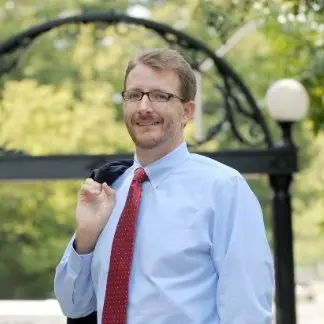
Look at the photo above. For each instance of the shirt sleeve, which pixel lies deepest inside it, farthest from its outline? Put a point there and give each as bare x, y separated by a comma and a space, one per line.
242, 256
73, 285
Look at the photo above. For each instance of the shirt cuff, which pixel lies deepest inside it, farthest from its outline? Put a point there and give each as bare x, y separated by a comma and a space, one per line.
79, 263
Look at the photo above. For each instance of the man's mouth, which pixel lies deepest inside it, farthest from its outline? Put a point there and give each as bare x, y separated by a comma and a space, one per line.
147, 123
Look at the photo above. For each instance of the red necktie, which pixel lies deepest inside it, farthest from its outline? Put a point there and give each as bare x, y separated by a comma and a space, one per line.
116, 299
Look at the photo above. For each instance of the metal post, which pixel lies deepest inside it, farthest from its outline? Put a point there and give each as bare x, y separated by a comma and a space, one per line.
283, 249
198, 117
283, 237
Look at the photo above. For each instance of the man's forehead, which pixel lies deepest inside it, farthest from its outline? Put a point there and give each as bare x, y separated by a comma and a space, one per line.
142, 76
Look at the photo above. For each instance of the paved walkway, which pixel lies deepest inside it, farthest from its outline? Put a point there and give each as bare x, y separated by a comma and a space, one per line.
312, 312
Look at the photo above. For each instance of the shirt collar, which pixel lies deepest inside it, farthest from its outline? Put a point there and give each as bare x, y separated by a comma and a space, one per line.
158, 170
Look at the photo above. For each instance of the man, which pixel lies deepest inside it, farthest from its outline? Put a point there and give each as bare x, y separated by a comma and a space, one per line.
178, 238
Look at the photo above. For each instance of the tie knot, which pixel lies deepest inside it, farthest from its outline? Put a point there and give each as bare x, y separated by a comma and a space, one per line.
140, 175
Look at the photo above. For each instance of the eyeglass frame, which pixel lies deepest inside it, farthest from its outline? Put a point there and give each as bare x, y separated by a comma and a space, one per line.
147, 93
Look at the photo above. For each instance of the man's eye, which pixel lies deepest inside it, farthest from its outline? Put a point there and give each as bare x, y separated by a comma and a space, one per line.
133, 95
160, 96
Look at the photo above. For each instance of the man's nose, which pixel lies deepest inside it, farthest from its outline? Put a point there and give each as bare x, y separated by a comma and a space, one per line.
145, 104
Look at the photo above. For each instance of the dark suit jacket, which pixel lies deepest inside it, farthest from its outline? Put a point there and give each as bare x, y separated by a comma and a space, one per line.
107, 173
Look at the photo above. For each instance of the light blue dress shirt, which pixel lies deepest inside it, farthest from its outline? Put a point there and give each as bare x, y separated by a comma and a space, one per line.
201, 254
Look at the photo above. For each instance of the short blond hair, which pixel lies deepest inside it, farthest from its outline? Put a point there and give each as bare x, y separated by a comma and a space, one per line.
165, 58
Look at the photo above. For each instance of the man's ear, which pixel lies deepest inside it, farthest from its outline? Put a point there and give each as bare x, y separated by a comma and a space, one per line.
188, 111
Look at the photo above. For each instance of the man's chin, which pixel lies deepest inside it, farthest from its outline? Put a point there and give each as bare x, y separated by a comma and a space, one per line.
147, 143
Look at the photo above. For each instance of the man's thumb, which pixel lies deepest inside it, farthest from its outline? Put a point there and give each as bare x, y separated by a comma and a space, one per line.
108, 190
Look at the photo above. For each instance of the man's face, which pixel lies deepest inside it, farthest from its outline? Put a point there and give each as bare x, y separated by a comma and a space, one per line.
156, 124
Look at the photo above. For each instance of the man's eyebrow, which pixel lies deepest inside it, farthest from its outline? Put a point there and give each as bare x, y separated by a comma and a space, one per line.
158, 89
153, 89
139, 89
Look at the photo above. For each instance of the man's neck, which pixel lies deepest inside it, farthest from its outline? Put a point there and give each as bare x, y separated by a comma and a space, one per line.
147, 156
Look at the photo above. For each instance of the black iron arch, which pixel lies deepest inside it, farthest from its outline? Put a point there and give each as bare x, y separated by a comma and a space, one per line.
237, 98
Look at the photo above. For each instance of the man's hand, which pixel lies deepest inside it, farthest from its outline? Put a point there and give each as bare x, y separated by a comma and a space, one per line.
94, 207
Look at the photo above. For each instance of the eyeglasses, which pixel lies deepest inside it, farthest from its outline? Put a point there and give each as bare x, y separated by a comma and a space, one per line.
154, 96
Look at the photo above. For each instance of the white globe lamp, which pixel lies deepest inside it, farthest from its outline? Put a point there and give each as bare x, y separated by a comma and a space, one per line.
287, 100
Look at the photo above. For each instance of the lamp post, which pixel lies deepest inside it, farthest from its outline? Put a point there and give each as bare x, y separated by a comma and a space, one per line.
287, 101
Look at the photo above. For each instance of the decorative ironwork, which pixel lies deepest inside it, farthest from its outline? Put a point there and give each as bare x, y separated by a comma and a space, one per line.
237, 99
274, 161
